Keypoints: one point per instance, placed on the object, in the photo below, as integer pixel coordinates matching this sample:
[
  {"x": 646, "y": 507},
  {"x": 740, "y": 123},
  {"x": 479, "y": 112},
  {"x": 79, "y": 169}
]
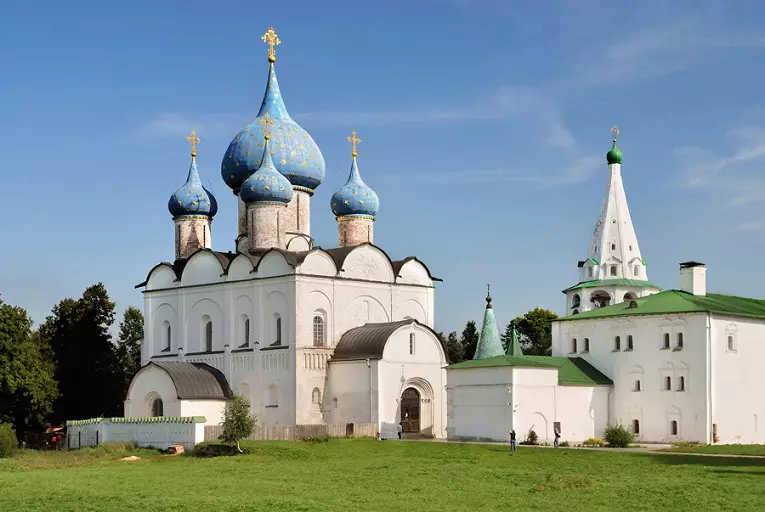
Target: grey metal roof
[
  {"x": 196, "y": 381},
  {"x": 368, "y": 341}
]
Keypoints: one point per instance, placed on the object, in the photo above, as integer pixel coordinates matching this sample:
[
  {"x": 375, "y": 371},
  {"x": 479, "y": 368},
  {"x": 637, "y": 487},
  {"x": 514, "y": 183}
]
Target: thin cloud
[{"x": 173, "y": 124}]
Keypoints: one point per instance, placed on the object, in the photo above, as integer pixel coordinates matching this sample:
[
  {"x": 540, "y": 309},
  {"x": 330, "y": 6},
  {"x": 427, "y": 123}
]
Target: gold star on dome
[
  {"x": 272, "y": 40},
  {"x": 284, "y": 161},
  {"x": 345, "y": 201}
]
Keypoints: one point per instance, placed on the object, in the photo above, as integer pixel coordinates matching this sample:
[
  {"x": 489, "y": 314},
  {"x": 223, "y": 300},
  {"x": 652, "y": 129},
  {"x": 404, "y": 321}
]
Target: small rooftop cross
[
  {"x": 272, "y": 40},
  {"x": 193, "y": 139},
  {"x": 615, "y": 131},
  {"x": 266, "y": 120},
  {"x": 353, "y": 140}
]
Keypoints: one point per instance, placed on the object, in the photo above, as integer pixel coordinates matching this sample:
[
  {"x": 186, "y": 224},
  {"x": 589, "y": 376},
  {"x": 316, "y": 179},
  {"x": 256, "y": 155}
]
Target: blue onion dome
[
  {"x": 192, "y": 198},
  {"x": 355, "y": 197},
  {"x": 266, "y": 185},
  {"x": 295, "y": 154}
]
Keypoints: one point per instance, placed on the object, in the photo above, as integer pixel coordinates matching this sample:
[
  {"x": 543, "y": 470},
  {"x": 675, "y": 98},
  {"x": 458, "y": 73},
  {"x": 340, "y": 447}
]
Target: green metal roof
[
  {"x": 489, "y": 343},
  {"x": 514, "y": 347},
  {"x": 572, "y": 371},
  {"x": 676, "y": 301},
  {"x": 612, "y": 282}
]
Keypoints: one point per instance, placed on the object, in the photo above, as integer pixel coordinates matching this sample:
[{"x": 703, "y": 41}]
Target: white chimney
[{"x": 693, "y": 278}]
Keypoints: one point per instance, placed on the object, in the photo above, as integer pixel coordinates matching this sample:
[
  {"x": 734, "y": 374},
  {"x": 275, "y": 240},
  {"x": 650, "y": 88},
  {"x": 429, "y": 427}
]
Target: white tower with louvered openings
[{"x": 614, "y": 270}]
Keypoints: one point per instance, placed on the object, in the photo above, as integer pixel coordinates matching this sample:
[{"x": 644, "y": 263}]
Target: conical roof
[{"x": 489, "y": 342}]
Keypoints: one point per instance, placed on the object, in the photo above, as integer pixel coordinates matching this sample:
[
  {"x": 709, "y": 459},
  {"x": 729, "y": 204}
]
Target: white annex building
[
  {"x": 308, "y": 335},
  {"x": 670, "y": 365}
]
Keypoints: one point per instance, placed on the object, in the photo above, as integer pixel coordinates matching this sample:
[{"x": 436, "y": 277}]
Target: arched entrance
[{"x": 410, "y": 410}]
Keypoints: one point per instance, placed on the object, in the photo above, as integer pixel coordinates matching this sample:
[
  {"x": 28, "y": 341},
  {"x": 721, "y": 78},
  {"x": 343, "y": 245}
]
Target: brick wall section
[
  {"x": 192, "y": 232},
  {"x": 242, "y": 216},
  {"x": 266, "y": 225},
  {"x": 355, "y": 231}
]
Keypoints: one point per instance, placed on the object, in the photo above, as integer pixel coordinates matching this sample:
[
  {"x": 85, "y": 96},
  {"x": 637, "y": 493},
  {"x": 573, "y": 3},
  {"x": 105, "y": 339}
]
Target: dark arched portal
[{"x": 410, "y": 410}]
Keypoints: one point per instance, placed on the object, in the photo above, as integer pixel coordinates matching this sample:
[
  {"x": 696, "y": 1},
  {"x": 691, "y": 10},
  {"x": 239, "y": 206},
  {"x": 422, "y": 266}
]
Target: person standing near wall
[
  {"x": 512, "y": 440},
  {"x": 557, "y": 437}
]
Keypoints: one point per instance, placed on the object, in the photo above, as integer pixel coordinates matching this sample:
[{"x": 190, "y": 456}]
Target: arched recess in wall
[
  {"x": 320, "y": 306},
  {"x": 276, "y": 323},
  {"x": 361, "y": 310},
  {"x": 244, "y": 390},
  {"x": 165, "y": 320},
  {"x": 197, "y": 330},
  {"x": 539, "y": 425},
  {"x": 412, "y": 309},
  {"x": 243, "y": 314}
]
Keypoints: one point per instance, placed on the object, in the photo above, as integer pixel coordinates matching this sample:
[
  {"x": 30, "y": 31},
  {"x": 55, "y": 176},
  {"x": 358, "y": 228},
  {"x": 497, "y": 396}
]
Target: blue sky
[{"x": 484, "y": 123}]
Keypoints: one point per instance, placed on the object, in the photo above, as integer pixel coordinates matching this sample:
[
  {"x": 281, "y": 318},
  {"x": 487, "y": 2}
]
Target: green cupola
[{"x": 614, "y": 156}]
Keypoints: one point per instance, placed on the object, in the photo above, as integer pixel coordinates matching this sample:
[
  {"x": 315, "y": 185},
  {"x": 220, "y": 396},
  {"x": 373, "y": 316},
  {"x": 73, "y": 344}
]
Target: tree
[
  {"x": 129, "y": 345},
  {"x": 469, "y": 339},
  {"x": 87, "y": 367},
  {"x": 534, "y": 330},
  {"x": 27, "y": 388},
  {"x": 507, "y": 336},
  {"x": 455, "y": 352},
  {"x": 237, "y": 421}
]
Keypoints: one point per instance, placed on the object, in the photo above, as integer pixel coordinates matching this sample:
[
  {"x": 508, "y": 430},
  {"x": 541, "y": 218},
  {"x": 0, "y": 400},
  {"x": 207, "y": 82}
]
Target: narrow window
[
  {"x": 731, "y": 343},
  {"x": 169, "y": 335},
  {"x": 278, "y": 330},
  {"x": 411, "y": 344},
  {"x": 636, "y": 270},
  {"x": 636, "y": 387},
  {"x": 316, "y": 396},
  {"x": 629, "y": 342},
  {"x": 208, "y": 336},
  {"x": 617, "y": 343},
  {"x": 156, "y": 407},
  {"x": 679, "y": 340},
  {"x": 573, "y": 346},
  {"x": 613, "y": 247},
  {"x": 673, "y": 427},
  {"x": 589, "y": 271},
  {"x": 587, "y": 344},
  {"x": 613, "y": 270},
  {"x": 666, "y": 340},
  {"x": 681, "y": 384},
  {"x": 576, "y": 301},
  {"x": 635, "y": 427},
  {"x": 668, "y": 383},
  {"x": 246, "y": 332},
  {"x": 318, "y": 331}
]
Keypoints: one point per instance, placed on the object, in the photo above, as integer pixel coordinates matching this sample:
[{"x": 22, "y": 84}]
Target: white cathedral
[{"x": 308, "y": 335}]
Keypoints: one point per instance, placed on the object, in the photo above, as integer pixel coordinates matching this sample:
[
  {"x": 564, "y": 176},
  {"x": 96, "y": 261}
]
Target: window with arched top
[
  {"x": 573, "y": 345},
  {"x": 157, "y": 407},
  {"x": 673, "y": 427},
  {"x": 636, "y": 270},
  {"x": 208, "y": 336},
  {"x": 278, "y": 333},
  {"x": 587, "y": 344},
  {"x": 167, "y": 336},
  {"x": 636, "y": 385},
  {"x": 617, "y": 343},
  {"x": 681, "y": 383},
  {"x": 635, "y": 427},
  {"x": 319, "y": 337},
  {"x": 629, "y": 342},
  {"x": 668, "y": 383},
  {"x": 576, "y": 301},
  {"x": 589, "y": 271},
  {"x": 679, "y": 340},
  {"x": 613, "y": 247},
  {"x": 666, "y": 340},
  {"x": 316, "y": 396},
  {"x": 731, "y": 343}
]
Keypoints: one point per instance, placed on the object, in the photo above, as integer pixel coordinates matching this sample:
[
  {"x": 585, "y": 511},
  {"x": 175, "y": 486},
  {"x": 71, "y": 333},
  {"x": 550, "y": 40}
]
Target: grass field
[
  {"x": 725, "y": 449},
  {"x": 391, "y": 475}
]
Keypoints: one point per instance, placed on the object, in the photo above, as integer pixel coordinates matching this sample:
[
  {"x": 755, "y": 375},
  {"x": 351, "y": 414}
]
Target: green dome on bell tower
[{"x": 614, "y": 155}]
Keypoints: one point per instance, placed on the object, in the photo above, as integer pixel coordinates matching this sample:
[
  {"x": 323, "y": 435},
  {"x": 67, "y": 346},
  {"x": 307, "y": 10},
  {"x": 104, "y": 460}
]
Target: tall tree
[
  {"x": 87, "y": 367},
  {"x": 507, "y": 336},
  {"x": 535, "y": 331},
  {"x": 129, "y": 344},
  {"x": 469, "y": 339},
  {"x": 27, "y": 388},
  {"x": 455, "y": 352}
]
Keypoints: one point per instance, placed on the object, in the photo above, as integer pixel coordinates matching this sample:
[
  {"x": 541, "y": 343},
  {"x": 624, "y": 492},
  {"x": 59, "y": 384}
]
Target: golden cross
[
  {"x": 272, "y": 40},
  {"x": 615, "y": 131},
  {"x": 266, "y": 120},
  {"x": 193, "y": 139},
  {"x": 353, "y": 140}
]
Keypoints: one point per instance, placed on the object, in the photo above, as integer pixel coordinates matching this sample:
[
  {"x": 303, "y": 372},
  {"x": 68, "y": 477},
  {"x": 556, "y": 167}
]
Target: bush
[
  {"x": 315, "y": 439},
  {"x": 8, "y": 442},
  {"x": 593, "y": 442},
  {"x": 216, "y": 450},
  {"x": 618, "y": 436},
  {"x": 531, "y": 437},
  {"x": 564, "y": 444},
  {"x": 237, "y": 421}
]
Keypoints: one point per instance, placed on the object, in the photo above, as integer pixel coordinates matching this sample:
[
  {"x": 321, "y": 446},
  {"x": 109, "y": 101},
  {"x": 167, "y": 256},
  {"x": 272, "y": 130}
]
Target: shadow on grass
[
  {"x": 738, "y": 472},
  {"x": 701, "y": 460}
]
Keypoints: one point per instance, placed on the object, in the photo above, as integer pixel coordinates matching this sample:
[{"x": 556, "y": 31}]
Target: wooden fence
[{"x": 297, "y": 432}]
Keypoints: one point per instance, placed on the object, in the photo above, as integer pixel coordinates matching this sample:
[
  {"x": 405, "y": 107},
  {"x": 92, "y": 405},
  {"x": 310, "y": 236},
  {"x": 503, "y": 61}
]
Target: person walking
[
  {"x": 557, "y": 437},
  {"x": 512, "y": 440},
  {"x": 400, "y": 429}
]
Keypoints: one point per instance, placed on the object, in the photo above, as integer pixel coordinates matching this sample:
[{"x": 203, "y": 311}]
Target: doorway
[{"x": 410, "y": 411}]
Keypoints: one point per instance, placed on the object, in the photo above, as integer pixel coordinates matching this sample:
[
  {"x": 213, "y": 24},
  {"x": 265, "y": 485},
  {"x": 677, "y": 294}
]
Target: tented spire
[{"x": 489, "y": 343}]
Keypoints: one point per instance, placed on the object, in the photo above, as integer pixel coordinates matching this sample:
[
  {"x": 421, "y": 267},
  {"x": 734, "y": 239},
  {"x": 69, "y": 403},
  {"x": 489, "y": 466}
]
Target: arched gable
[
  {"x": 161, "y": 276},
  {"x": 203, "y": 267},
  {"x": 414, "y": 271},
  {"x": 368, "y": 262},
  {"x": 241, "y": 268},
  {"x": 412, "y": 309},
  {"x": 274, "y": 263},
  {"x": 318, "y": 262},
  {"x": 425, "y": 344}
]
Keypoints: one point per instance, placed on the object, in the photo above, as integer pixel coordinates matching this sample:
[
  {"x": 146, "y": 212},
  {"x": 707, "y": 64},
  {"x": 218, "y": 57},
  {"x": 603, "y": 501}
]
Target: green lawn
[
  {"x": 351, "y": 475},
  {"x": 726, "y": 449}
]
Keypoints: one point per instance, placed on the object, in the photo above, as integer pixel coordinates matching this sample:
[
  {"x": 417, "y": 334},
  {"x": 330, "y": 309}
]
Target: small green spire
[
  {"x": 614, "y": 156},
  {"x": 489, "y": 342},
  {"x": 514, "y": 347}
]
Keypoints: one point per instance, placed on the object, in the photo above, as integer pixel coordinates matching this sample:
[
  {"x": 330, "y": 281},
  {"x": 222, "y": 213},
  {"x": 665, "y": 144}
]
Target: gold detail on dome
[
  {"x": 272, "y": 40},
  {"x": 193, "y": 139},
  {"x": 284, "y": 162},
  {"x": 353, "y": 140},
  {"x": 266, "y": 120},
  {"x": 615, "y": 131}
]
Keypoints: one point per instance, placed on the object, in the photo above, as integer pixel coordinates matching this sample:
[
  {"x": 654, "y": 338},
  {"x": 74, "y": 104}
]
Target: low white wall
[{"x": 160, "y": 432}]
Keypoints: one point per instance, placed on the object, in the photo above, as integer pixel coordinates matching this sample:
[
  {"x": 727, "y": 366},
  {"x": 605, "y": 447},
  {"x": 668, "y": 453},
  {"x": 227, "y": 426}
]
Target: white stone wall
[
  {"x": 355, "y": 231},
  {"x": 192, "y": 232},
  {"x": 211, "y": 410},
  {"x": 737, "y": 379},
  {"x": 144, "y": 432},
  {"x": 649, "y": 362},
  {"x": 149, "y": 384}
]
